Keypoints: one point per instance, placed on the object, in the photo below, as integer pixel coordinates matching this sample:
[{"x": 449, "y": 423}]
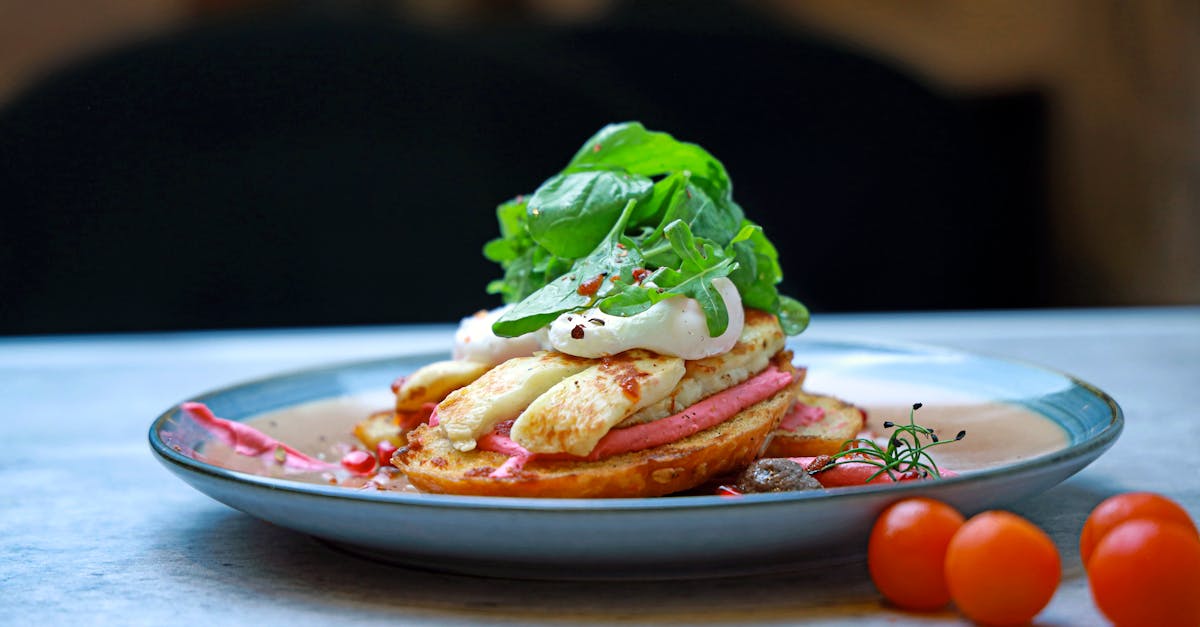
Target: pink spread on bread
[
  {"x": 801, "y": 415},
  {"x": 707, "y": 413}
]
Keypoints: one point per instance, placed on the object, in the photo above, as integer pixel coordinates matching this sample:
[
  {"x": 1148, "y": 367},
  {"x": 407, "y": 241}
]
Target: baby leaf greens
[{"x": 636, "y": 217}]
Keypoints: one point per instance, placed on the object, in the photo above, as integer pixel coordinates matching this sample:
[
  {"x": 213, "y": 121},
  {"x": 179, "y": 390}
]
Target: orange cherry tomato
[
  {"x": 1147, "y": 572},
  {"x": 1125, "y": 507},
  {"x": 1001, "y": 569},
  {"x": 907, "y": 551}
]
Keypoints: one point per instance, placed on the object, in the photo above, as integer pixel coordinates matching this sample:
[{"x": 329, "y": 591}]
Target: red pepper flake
[
  {"x": 620, "y": 245},
  {"x": 504, "y": 427},
  {"x": 727, "y": 491},
  {"x": 397, "y": 384},
  {"x": 577, "y": 332},
  {"x": 591, "y": 286},
  {"x": 595, "y": 147},
  {"x": 640, "y": 274}
]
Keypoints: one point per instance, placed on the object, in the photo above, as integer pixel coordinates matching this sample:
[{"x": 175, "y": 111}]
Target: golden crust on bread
[
  {"x": 572, "y": 416},
  {"x": 433, "y": 465},
  {"x": 842, "y": 421},
  {"x": 502, "y": 394},
  {"x": 432, "y": 382}
]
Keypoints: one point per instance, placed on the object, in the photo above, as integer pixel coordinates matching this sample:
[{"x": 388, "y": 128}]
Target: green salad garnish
[{"x": 633, "y": 207}]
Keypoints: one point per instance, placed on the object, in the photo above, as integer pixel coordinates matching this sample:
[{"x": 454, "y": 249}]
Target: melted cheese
[
  {"x": 760, "y": 340},
  {"x": 432, "y": 382},
  {"x": 675, "y": 326},
  {"x": 501, "y": 394},
  {"x": 573, "y": 415}
]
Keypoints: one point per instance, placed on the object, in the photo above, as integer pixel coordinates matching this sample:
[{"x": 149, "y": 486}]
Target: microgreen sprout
[{"x": 904, "y": 452}]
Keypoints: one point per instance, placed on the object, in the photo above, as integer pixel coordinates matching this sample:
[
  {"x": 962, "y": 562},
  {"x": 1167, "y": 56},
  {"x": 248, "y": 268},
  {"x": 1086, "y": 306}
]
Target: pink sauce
[
  {"x": 251, "y": 442},
  {"x": 707, "y": 413},
  {"x": 802, "y": 415}
]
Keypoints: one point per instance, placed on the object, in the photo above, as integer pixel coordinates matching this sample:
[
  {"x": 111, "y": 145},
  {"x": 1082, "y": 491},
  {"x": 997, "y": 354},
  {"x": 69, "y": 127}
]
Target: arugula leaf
[
  {"x": 701, "y": 262},
  {"x": 615, "y": 256},
  {"x": 571, "y": 213}
]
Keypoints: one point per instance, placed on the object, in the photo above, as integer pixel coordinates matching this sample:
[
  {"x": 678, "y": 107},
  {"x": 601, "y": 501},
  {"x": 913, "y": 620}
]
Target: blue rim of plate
[{"x": 1091, "y": 446}]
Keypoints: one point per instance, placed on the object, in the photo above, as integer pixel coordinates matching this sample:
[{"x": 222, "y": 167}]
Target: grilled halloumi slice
[
  {"x": 761, "y": 338},
  {"x": 573, "y": 415},
  {"x": 501, "y": 394},
  {"x": 432, "y": 382}
]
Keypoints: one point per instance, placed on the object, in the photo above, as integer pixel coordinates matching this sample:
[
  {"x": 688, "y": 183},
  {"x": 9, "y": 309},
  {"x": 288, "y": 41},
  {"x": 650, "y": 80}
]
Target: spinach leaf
[
  {"x": 758, "y": 270},
  {"x": 631, "y": 147},
  {"x": 793, "y": 315},
  {"x": 571, "y": 213}
]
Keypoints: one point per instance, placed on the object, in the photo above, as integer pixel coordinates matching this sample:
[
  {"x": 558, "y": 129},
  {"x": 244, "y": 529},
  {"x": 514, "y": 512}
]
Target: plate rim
[{"x": 1097, "y": 443}]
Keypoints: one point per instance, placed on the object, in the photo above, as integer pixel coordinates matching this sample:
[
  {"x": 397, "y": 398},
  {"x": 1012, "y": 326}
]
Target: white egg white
[
  {"x": 675, "y": 326},
  {"x": 474, "y": 340}
]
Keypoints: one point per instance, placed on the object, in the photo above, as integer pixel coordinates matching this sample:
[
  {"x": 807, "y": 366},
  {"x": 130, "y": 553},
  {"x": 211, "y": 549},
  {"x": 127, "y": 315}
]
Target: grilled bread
[{"x": 817, "y": 425}]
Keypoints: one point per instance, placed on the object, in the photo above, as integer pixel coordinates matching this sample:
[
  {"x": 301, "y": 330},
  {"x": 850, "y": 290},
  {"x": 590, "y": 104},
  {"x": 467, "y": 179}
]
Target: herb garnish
[
  {"x": 904, "y": 453},
  {"x": 652, "y": 215}
]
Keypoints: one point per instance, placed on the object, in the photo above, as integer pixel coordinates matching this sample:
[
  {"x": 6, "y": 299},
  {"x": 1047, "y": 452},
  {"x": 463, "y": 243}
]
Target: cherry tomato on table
[
  {"x": 1001, "y": 569},
  {"x": 1147, "y": 572},
  {"x": 907, "y": 550},
  {"x": 1125, "y": 507}
]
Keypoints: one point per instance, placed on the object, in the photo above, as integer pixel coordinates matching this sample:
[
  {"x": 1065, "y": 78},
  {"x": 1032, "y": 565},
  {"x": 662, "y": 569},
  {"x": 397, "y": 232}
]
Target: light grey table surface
[{"x": 94, "y": 530}]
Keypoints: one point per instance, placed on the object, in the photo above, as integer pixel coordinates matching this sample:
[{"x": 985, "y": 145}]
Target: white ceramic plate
[{"x": 680, "y": 536}]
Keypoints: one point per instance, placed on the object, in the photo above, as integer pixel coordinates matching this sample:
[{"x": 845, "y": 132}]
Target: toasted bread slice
[
  {"x": 832, "y": 423},
  {"x": 434, "y": 465}
]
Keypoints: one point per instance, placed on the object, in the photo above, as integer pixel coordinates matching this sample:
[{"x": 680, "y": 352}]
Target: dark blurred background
[{"x": 169, "y": 164}]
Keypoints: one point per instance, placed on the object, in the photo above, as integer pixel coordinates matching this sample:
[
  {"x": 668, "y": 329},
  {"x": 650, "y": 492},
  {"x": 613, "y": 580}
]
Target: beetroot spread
[
  {"x": 802, "y": 415},
  {"x": 707, "y": 413},
  {"x": 251, "y": 442}
]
